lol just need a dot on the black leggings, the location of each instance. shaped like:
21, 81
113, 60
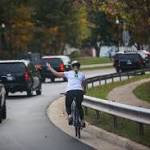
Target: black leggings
78, 95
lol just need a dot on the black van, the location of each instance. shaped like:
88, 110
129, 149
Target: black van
19, 76
128, 61
56, 63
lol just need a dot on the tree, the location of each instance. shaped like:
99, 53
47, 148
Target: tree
136, 14
17, 17
65, 21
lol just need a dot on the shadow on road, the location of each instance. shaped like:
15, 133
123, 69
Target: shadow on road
15, 97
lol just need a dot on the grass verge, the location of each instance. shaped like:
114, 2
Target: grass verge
125, 128
102, 91
96, 68
143, 92
91, 60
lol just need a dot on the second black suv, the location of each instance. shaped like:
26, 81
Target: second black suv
128, 61
19, 76
56, 63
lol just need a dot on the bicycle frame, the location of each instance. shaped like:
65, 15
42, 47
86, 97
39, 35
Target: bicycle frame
76, 118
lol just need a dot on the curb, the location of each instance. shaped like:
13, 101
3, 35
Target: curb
93, 136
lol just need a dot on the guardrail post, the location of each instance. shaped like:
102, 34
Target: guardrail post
141, 129
128, 75
87, 86
112, 79
86, 110
97, 115
115, 121
99, 82
105, 81
92, 84
120, 76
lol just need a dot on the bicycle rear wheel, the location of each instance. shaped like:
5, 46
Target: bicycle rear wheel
77, 132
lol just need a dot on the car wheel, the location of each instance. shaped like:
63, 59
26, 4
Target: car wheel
7, 93
65, 79
29, 92
43, 79
4, 111
1, 115
53, 79
38, 92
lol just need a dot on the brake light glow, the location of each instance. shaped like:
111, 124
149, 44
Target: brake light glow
62, 68
26, 76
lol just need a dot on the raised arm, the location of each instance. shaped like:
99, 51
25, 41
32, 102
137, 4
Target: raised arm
57, 74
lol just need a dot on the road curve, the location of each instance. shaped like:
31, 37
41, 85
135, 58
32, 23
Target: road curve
27, 126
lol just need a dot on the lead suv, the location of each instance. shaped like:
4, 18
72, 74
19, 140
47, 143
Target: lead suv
19, 76
2, 103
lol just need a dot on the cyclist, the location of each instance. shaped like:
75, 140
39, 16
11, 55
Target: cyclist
75, 89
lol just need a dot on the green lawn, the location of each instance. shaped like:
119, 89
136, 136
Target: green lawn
97, 68
91, 60
103, 90
125, 128
143, 91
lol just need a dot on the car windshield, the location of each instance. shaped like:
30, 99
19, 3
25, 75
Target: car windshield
11, 67
52, 61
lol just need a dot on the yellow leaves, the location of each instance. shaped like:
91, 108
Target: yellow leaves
84, 30
53, 30
22, 26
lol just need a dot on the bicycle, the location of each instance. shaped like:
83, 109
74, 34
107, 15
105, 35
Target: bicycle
76, 122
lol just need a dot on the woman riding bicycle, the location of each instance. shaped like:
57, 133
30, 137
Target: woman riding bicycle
75, 89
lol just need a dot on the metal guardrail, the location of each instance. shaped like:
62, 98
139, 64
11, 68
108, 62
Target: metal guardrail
112, 76
137, 114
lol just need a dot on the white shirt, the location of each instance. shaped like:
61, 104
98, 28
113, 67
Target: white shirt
74, 80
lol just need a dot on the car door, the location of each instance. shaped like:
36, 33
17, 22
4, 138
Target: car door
35, 76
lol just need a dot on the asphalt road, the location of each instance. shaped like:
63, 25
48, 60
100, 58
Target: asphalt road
27, 126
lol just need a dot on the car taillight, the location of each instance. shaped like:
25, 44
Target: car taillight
26, 76
140, 62
61, 67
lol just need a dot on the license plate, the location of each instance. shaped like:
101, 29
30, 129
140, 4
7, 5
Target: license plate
10, 78
129, 62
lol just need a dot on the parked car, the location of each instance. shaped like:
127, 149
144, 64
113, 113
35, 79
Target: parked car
19, 76
128, 61
56, 62
2, 103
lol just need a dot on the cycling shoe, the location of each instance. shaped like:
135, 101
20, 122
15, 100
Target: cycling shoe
70, 120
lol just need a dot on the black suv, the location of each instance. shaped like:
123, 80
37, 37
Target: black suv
56, 63
19, 76
2, 103
128, 61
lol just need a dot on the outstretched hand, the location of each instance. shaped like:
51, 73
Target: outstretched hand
49, 66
